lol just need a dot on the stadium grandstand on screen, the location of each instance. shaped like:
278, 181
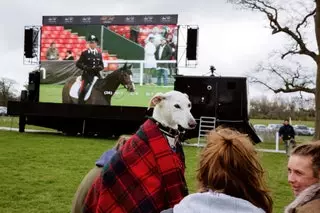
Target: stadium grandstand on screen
147, 44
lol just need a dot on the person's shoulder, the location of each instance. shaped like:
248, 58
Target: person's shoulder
310, 207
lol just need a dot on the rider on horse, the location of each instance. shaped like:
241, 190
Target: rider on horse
91, 63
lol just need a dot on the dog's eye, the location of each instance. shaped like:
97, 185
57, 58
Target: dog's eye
177, 106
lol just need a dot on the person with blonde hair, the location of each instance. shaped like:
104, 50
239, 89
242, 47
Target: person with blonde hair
230, 177
86, 183
304, 178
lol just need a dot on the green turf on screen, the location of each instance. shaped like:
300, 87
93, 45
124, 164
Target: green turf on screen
52, 93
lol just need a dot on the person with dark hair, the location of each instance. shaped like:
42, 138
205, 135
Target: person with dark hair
230, 178
134, 33
163, 52
69, 55
91, 63
304, 178
287, 134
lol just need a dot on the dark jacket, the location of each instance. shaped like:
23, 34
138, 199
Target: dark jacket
89, 62
166, 55
286, 132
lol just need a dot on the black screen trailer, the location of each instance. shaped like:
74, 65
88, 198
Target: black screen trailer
224, 98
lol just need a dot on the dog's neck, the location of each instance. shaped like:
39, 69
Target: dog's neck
157, 116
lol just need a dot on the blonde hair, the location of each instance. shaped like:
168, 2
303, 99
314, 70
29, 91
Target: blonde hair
121, 141
229, 164
311, 149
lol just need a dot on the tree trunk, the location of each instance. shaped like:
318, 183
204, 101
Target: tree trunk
317, 103
317, 98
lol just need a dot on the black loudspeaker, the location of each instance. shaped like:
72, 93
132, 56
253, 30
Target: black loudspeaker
222, 97
232, 99
28, 43
192, 43
34, 86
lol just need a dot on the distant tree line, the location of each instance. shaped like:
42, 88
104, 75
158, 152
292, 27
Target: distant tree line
7, 91
280, 108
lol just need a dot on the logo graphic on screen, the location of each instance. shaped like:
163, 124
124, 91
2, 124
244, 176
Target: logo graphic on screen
130, 19
107, 19
148, 19
86, 20
166, 19
68, 20
52, 20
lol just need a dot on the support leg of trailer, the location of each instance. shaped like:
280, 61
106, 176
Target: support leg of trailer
22, 123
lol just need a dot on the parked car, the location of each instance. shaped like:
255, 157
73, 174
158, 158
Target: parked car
260, 127
311, 130
3, 110
274, 127
301, 130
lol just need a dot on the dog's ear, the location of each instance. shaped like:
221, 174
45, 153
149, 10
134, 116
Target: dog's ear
186, 95
157, 98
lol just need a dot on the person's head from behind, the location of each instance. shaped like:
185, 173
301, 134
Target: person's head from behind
286, 122
304, 167
229, 164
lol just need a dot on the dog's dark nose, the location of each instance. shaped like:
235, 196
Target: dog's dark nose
192, 124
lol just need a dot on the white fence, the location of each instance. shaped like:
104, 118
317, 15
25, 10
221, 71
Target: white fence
270, 143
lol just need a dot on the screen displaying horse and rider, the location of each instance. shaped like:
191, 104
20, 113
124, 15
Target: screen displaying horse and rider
119, 65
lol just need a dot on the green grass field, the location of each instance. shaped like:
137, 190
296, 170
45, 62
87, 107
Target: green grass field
294, 122
52, 93
40, 172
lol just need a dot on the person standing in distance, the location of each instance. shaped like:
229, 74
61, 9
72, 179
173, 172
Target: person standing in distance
91, 63
286, 134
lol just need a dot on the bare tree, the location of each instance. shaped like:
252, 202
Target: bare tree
293, 29
7, 91
284, 78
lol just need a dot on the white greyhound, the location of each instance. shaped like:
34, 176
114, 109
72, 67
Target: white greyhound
170, 110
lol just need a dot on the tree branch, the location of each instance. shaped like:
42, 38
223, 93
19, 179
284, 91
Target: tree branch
291, 52
304, 21
289, 80
272, 15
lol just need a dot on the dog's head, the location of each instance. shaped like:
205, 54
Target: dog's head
172, 109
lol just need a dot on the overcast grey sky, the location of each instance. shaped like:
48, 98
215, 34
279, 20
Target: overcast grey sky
232, 40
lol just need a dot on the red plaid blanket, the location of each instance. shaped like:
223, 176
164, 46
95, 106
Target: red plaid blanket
144, 176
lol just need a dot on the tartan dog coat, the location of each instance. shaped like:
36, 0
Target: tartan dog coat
145, 175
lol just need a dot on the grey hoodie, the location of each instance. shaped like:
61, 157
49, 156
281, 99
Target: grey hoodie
214, 203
